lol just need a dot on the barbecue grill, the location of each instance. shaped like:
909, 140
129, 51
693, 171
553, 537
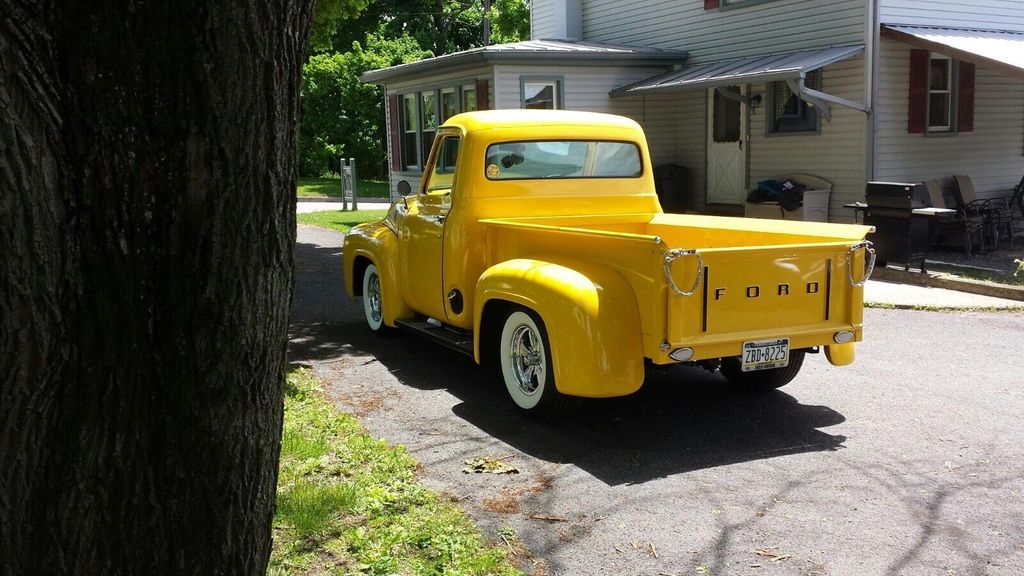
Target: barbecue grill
902, 225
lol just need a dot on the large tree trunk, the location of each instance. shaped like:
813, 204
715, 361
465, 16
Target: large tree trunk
147, 165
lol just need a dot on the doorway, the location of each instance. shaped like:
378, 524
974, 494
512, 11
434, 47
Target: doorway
727, 145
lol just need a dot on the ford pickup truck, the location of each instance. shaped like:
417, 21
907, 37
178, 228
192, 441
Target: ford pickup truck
536, 243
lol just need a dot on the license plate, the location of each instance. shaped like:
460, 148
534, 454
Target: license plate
764, 354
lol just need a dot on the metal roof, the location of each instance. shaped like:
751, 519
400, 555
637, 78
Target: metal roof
765, 68
532, 52
1001, 50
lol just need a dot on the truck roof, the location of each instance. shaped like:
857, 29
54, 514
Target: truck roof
490, 119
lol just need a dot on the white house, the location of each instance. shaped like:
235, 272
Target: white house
907, 90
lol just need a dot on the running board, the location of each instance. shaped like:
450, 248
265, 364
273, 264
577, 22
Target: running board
451, 338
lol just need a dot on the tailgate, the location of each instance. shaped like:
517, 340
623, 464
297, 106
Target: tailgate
800, 292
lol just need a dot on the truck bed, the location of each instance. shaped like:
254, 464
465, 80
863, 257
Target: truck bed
746, 279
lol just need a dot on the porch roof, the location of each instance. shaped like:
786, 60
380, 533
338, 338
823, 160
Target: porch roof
1000, 50
763, 68
543, 52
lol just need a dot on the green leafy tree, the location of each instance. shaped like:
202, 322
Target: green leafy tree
328, 17
510, 21
342, 115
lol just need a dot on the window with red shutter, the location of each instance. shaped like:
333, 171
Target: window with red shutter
941, 94
710, 4
917, 107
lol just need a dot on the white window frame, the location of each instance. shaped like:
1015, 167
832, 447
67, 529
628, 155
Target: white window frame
418, 164
556, 83
409, 163
948, 91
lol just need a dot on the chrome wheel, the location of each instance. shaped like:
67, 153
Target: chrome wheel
373, 304
527, 359
373, 293
524, 353
524, 360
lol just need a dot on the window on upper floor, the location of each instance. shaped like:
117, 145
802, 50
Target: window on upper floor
941, 94
789, 114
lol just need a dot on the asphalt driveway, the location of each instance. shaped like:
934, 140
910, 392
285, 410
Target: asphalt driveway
911, 461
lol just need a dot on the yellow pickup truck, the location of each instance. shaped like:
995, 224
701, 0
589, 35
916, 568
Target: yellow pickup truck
536, 243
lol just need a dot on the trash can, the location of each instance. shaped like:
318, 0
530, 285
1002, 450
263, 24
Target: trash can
671, 181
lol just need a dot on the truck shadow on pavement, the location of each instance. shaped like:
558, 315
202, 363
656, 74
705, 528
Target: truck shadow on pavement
682, 420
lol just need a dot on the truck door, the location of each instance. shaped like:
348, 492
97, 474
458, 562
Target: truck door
422, 232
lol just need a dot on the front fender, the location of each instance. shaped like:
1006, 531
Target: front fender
378, 244
591, 316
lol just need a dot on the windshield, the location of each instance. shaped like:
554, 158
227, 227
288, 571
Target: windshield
562, 159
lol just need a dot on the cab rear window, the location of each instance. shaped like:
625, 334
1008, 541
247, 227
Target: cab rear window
563, 159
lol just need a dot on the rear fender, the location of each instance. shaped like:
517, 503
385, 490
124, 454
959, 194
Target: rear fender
591, 316
377, 244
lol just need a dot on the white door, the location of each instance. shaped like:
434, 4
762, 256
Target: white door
727, 143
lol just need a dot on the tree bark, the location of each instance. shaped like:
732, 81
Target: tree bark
147, 176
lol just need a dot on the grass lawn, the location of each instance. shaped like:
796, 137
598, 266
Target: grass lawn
331, 187
349, 504
341, 221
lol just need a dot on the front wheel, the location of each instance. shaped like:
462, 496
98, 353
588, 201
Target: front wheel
762, 380
525, 359
373, 303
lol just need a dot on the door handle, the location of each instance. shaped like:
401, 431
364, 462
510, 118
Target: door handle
437, 219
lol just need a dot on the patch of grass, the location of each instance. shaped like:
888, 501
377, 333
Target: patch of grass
331, 188
1007, 279
934, 308
347, 503
341, 221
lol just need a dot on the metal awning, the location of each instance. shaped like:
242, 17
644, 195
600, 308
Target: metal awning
1000, 50
766, 68
791, 68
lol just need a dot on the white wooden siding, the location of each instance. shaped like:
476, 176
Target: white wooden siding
837, 153
991, 155
584, 87
989, 15
542, 19
762, 28
674, 123
675, 126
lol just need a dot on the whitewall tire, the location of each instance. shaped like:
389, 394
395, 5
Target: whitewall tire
524, 355
373, 303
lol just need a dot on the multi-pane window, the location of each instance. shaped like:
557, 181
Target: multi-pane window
428, 128
469, 98
421, 113
787, 112
410, 128
449, 104
940, 93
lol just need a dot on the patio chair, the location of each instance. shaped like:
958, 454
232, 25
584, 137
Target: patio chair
961, 223
1016, 204
996, 211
